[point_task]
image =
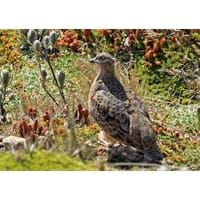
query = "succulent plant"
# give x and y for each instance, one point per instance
(46, 42)
(37, 46)
(31, 35)
(6, 94)
(53, 37)
(61, 79)
(43, 46)
(5, 77)
(44, 74)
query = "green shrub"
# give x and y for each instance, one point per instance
(41, 160)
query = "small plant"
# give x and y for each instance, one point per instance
(152, 50)
(69, 39)
(43, 46)
(81, 115)
(9, 47)
(6, 94)
(32, 124)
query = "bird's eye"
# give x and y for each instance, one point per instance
(101, 57)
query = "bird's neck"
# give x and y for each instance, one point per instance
(106, 71)
(111, 82)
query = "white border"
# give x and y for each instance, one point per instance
(99, 185)
(100, 14)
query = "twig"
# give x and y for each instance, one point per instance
(55, 79)
(48, 93)
(44, 86)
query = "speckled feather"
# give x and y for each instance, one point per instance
(122, 115)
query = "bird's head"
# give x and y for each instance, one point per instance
(103, 59)
(105, 62)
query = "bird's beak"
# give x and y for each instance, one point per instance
(93, 60)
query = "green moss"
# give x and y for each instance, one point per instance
(42, 160)
(180, 152)
(88, 133)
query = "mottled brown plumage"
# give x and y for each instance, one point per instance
(121, 115)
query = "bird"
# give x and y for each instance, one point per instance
(121, 115)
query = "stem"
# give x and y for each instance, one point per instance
(44, 86)
(55, 79)
(48, 93)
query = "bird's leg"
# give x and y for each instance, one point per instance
(106, 140)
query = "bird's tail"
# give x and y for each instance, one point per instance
(149, 143)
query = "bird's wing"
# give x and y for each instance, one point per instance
(138, 103)
(124, 122)
(112, 114)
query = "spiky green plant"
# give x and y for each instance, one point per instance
(6, 94)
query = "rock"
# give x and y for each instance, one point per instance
(126, 157)
(124, 154)
(14, 143)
